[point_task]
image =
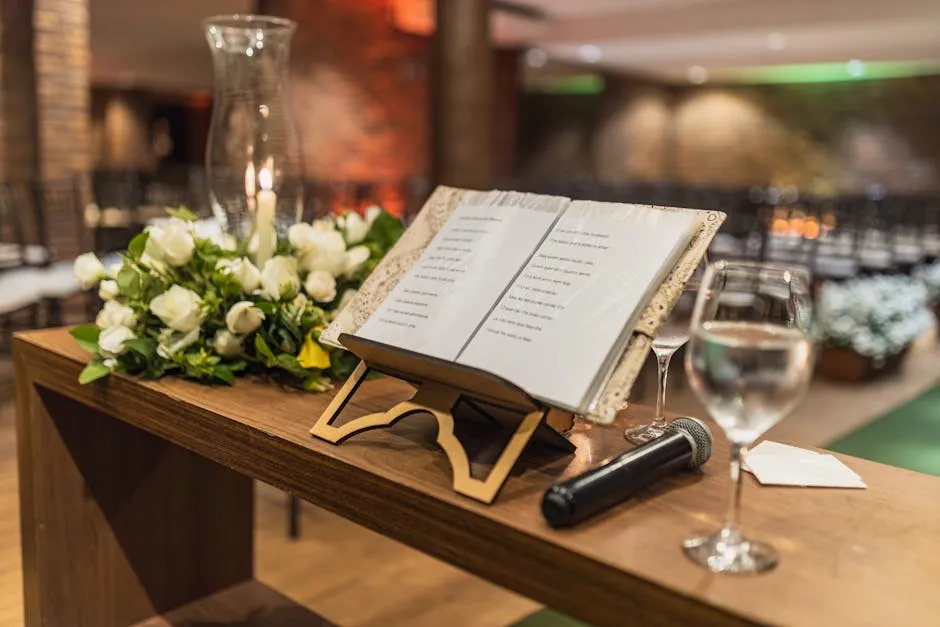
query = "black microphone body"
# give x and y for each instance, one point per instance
(601, 488)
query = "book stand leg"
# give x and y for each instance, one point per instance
(438, 400)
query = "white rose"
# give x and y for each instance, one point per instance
(178, 308)
(354, 258)
(114, 314)
(113, 269)
(321, 286)
(372, 212)
(325, 224)
(355, 228)
(172, 243)
(170, 343)
(346, 298)
(245, 272)
(328, 252)
(153, 263)
(226, 343)
(243, 317)
(88, 270)
(300, 235)
(225, 241)
(111, 341)
(279, 278)
(108, 289)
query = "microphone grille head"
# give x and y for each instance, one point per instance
(700, 436)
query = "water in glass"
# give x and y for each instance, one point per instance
(749, 375)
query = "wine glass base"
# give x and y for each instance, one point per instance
(719, 555)
(643, 433)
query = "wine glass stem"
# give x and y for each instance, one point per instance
(732, 529)
(662, 361)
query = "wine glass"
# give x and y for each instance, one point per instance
(749, 362)
(672, 335)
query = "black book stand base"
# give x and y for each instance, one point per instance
(441, 387)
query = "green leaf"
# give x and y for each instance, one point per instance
(289, 363)
(87, 337)
(297, 336)
(224, 373)
(128, 281)
(342, 364)
(137, 245)
(316, 383)
(231, 288)
(182, 213)
(93, 371)
(143, 346)
(238, 366)
(385, 231)
(156, 369)
(268, 309)
(262, 347)
(286, 342)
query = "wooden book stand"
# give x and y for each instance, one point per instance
(441, 385)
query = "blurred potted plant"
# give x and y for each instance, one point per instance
(929, 275)
(867, 324)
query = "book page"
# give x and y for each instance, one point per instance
(445, 296)
(557, 329)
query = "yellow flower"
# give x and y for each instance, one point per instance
(312, 354)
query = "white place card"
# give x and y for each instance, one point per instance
(773, 463)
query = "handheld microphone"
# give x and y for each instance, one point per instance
(686, 445)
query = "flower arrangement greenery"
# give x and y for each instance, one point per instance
(180, 303)
(875, 316)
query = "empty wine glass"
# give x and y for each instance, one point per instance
(672, 335)
(749, 362)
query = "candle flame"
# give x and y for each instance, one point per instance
(265, 179)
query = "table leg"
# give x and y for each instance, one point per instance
(118, 524)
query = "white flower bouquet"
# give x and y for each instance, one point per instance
(200, 307)
(929, 275)
(874, 316)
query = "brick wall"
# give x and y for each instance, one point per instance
(634, 138)
(359, 90)
(44, 100)
(62, 78)
(19, 151)
(823, 137)
(361, 95)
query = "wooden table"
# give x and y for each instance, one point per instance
(137, 498)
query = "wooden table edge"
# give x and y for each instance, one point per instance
(578, 580)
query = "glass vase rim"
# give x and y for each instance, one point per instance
(740, 264)
(241, 21)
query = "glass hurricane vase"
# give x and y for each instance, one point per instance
(253, 161)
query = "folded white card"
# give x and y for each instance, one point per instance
(773, 463)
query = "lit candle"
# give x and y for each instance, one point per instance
(250, 181)
(264, 217)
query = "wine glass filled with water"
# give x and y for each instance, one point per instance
(749, 361)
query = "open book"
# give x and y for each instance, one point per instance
(540, 290)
